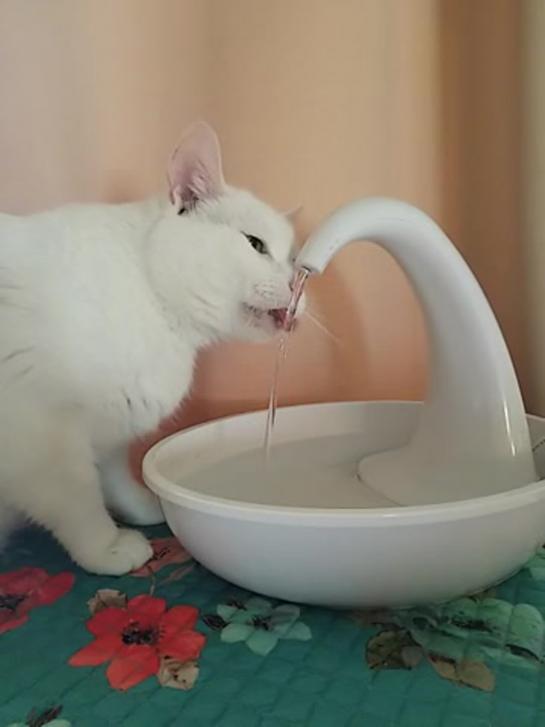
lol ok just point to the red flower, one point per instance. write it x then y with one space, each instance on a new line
166 551
25 589
135 639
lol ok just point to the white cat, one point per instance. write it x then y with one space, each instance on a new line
102 311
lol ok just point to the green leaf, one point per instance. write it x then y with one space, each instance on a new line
459 610
262 642
241 616
225 611
288 610
496 615
422 618
450 647
283 618
385 650
526 631
298 631
234 633
258 607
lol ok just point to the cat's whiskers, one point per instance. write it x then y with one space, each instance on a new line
321 327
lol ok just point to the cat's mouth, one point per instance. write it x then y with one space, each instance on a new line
277 316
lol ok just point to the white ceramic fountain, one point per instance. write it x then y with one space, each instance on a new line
472 437
373 504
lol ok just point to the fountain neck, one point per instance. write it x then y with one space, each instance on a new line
473 395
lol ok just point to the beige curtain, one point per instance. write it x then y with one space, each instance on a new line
533 194
316 102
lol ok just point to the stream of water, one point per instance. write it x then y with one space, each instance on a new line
281 353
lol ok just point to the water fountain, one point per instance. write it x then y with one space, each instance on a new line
376 503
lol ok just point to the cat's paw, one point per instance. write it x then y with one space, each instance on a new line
130 550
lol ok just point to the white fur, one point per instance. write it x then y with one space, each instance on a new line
102 311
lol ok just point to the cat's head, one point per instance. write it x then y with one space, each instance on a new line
235 254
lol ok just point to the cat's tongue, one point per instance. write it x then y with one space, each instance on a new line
280 318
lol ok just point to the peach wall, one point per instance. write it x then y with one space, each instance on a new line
316 102
93 94
332 102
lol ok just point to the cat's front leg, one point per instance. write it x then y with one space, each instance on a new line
56 484
129 500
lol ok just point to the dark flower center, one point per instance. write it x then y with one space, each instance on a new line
215 622
261 623
161 553
134 634
36 719
471 624
236 604
10 601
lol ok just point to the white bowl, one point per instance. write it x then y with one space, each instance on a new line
311 532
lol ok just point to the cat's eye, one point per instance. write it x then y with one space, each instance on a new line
258 245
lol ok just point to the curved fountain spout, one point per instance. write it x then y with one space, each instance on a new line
472 438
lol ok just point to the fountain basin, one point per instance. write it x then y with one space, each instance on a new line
304 528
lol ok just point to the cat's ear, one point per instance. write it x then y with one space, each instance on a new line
194 170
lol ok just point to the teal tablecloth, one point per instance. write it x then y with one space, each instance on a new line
174 645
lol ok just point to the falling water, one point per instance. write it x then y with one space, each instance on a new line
297 292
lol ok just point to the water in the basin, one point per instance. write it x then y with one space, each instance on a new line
318 473
297 291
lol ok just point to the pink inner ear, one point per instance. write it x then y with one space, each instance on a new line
194 170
